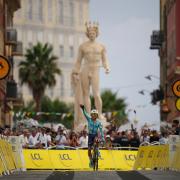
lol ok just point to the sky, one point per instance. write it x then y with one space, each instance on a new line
125 30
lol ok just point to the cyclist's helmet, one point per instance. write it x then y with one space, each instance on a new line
94 111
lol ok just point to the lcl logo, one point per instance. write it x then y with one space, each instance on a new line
130 157
36 156
64 157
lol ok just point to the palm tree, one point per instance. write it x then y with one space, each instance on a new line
38 70
116 105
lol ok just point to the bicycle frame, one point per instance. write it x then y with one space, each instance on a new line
95 154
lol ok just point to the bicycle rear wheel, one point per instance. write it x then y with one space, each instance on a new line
95 160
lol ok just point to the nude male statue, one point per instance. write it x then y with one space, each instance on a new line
91 56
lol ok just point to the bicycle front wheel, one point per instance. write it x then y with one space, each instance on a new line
95 164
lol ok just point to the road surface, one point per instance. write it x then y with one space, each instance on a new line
100 175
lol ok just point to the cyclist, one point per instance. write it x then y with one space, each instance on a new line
93 125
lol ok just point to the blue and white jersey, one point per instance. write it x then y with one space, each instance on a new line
93 126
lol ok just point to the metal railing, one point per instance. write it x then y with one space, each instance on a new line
61 147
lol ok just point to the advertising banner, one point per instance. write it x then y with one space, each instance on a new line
78 159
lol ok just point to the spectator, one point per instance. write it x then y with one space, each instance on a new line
73 141
113 135
43 137
108 142
176 127
7 131
122 140
145 136
49 139
134 141
34 141
164 138
83 140
60 138
154 137
25 138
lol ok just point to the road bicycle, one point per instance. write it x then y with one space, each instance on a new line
96 153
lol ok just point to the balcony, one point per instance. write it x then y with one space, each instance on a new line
17 49
157 39
11 36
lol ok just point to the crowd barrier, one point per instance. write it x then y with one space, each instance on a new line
174 143
152 156
11 156
16 143
147 157
176 160
78 159
7 158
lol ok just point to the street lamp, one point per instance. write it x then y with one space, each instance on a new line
149 77
142 92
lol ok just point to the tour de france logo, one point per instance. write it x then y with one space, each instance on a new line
4 67
176 91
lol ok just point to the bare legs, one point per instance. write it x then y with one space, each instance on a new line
90 77
85 82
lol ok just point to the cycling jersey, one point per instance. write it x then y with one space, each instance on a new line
93 126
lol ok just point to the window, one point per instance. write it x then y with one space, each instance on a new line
40 10
80 13
29 10
61 49
60 10
61 39
71 40
29 36
71 91
62 86
30 45
71 51
20 37
50 38
71 8
40 36
49 10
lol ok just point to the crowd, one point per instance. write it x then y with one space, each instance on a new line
42 137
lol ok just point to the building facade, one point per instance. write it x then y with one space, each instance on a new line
170 54
59 23
7 9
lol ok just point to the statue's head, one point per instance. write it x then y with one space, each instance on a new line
92 30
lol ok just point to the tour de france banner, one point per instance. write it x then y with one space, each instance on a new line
78 159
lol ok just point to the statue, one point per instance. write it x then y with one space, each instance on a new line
85 74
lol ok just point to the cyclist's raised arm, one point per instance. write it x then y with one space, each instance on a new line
88 117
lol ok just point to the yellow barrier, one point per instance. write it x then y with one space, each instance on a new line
78 159
150 157
7 160
17 150
176 160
